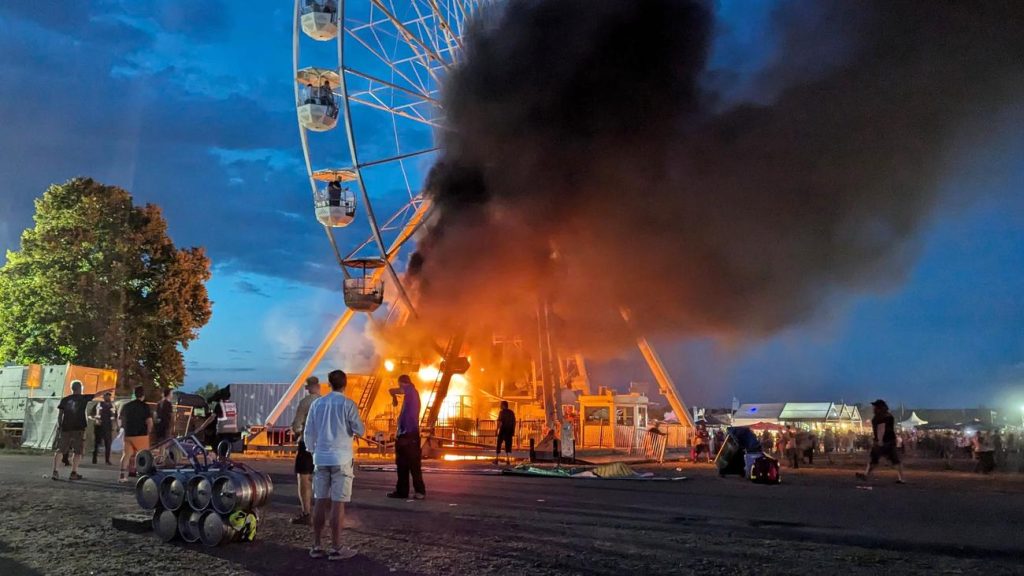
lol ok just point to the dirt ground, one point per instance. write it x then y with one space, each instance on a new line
820 521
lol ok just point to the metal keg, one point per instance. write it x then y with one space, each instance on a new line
147 491
165 525
189 522
215 530
264 488
233 490
172 489
145 463
199 491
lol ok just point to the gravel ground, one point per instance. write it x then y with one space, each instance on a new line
476 524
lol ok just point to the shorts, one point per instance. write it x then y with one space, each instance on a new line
71 440
887 451
505 439
303 460
334 482
133 444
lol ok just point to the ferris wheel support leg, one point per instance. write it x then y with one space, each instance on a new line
661 376
665 383
310 365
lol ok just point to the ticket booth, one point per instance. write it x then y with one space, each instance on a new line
609 420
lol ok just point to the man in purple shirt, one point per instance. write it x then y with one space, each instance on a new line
408 455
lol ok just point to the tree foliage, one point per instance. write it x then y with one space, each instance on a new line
98 282
207 390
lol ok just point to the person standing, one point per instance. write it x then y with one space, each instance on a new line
72 422
789 446
303 458
163 423
506 430
408 453
883 427
829 443
331 426
767 442
137 421
103 427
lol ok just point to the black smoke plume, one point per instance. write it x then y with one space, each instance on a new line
588 161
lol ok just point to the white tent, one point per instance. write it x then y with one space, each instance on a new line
913 422
40 428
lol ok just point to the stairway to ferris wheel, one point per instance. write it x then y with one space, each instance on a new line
317 104
320 19
334 201
364 289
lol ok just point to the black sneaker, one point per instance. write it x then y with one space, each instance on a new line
301 519
397 496
862 476
75 476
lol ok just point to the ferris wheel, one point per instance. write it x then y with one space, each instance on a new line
368 77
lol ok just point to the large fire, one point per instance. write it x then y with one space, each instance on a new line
457 404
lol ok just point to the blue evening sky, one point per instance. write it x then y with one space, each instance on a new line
188 104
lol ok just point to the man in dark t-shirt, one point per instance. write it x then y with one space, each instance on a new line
163 424
883 426
72 422
103 427
506 430
137 421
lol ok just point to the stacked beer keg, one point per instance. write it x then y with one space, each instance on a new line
213 502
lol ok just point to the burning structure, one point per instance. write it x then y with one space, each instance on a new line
598 181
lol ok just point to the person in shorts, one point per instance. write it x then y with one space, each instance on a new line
72 421
303 458
883 425
506 430
137 421
331 426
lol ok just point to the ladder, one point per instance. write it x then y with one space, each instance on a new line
369 393
439 390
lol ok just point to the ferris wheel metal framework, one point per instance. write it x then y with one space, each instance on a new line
392 56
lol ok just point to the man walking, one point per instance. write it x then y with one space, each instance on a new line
103 427
303 458
332 424
883 425
137 421
72 423
408 453
506 430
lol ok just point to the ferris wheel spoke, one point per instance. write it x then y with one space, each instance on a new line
446 27
418 84
398 158
425 52
413 93
395 111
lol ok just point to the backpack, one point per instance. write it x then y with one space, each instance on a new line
765 471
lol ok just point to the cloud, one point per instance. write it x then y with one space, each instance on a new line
247 287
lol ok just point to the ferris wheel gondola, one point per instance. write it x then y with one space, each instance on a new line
383 94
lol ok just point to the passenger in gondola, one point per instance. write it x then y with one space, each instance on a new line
332 8
327 96
311 94
334 194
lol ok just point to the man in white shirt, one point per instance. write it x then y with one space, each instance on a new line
332 424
